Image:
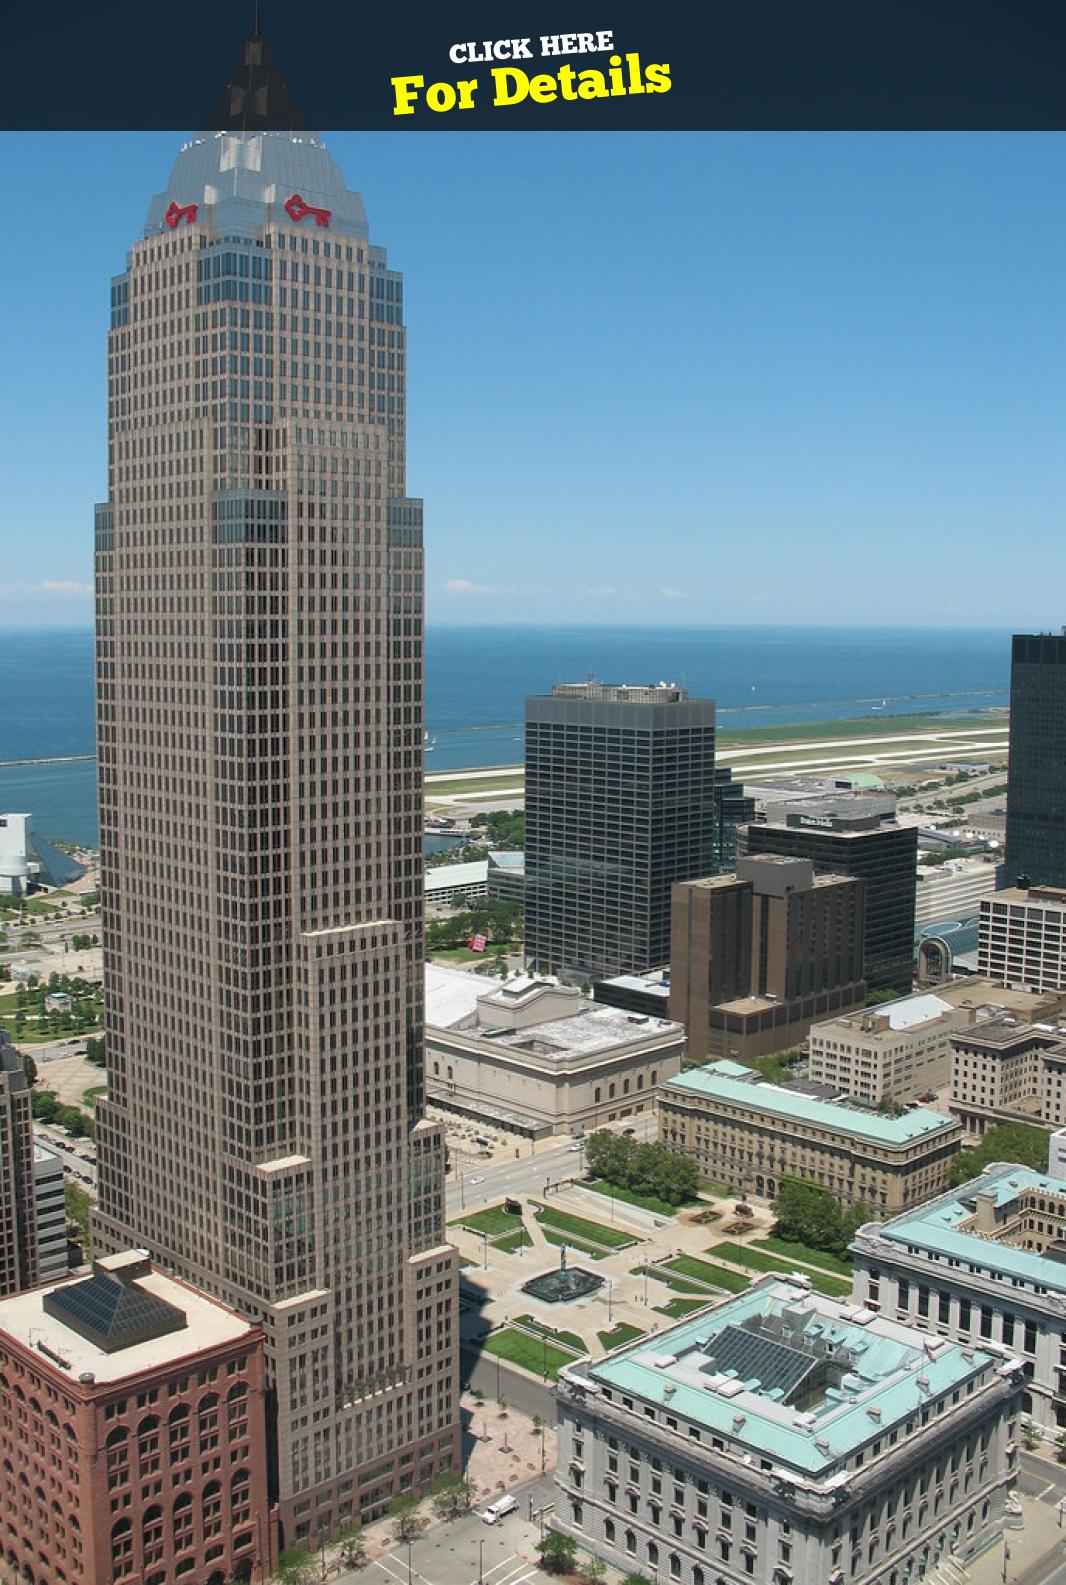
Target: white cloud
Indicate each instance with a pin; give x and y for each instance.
(602, 590)
(466, 586)
(64, 586)
(672, 594)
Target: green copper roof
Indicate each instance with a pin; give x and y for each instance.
(891, 1373)
(935, 1228)
(716, 1082)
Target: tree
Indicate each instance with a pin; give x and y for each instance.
(809, 1214)
(353, 1547)
(293, 1566)
(1014, 1142)
(636, 1579)
(451, 1495)
(408, 1519)
(29, 1068)
(594, 1572)
(558, 1553)
(876, 998)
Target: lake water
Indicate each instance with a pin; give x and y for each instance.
(477, 680)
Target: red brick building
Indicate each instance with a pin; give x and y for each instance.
(132, 1434)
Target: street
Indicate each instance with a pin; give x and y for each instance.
(527, 1173)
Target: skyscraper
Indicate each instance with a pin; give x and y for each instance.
(1036, 776)
(620, 803)
(19, 1248)
(259, 682)
(856, 835)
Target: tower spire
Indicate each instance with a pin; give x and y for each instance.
(256, 97)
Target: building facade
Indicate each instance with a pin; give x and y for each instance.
(1022, 937)
(132, 1434)
(789, 1439)
(857, 834)
(757, 956)
(1036, 774)
(538, 1058)
(953, 890)
(51, 1211)
(1005, 1070)
(748, 1136)
(620, 804)
(897, 1051)
(981, 1264)
(19, 1245)
(259, 582)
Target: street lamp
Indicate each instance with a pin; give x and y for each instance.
(485, 1253)
(410, 1576)
(481, 1562)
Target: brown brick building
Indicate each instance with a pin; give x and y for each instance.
(132, 1434)
(758, 956)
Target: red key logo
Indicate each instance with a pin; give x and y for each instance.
(297, 208)
(178, 212)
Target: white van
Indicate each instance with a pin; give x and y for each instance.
(499, 1509)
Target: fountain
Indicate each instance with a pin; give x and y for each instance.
(563, 1285)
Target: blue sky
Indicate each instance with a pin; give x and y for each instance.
(701, 378)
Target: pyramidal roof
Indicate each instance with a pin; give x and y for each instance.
(256, 97)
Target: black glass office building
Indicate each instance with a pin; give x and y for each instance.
(620, 804)
(1036, 779)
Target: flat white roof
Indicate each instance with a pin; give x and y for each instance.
(442, 877)
(208, 1325)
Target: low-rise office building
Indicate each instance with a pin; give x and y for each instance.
(758, 956)
(1005, 1070)
(789, 1439)
(1022, 937)
(137, 1405)
(540, 1058)
(953, 889)
(749, 1135)
(636, 993)
(895, 1052)
(983, 1265)
(51, 1207)
(466, 881)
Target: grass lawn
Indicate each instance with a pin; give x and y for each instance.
(622, 1333)
(863, 726)
(572, 1241)
(713, 1276)
(90, 1097)
(31, 1036)
(494, 1220)
(668, 1278)
(594, 1232)
(807, 1256)
(707, 1187)
(677, 1309)
(552, 1333)
(505, 782)
(464, 1260)
(756, 1260)
(519, 1239)
(647, 1202)
(532, 1353)
(464, 954)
